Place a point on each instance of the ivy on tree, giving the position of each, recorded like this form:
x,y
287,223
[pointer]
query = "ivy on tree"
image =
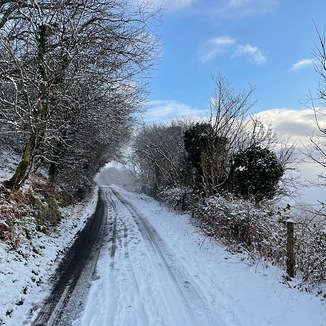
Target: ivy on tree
x,y
196,140
255,173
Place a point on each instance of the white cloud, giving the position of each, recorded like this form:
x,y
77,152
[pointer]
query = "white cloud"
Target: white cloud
x,y
162,111
299,125
253,52
172,5
244,8
301,64
216,45
222,41
239,3
227,44
229,9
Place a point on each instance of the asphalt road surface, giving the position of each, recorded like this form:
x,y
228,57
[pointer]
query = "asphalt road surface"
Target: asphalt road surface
x,y
75,272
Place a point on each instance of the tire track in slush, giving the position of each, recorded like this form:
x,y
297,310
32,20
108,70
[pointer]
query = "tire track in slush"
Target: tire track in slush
x,y
192,300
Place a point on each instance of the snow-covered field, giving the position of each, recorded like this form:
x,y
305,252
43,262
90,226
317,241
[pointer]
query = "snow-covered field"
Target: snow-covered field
x,y
136,285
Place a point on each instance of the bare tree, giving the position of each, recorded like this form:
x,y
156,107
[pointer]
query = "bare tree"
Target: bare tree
x,y
158,153
92,139
231,130
310,225
317,151
52,50
234,129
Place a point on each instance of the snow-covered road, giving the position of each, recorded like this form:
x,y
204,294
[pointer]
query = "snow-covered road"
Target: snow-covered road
x,y
151,267
153,287
156,269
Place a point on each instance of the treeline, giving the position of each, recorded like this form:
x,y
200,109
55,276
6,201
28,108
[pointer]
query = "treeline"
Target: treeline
x,y
72,75
228,152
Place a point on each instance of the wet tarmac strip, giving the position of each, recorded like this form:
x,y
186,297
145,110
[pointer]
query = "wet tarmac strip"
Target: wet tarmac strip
x,y
74,274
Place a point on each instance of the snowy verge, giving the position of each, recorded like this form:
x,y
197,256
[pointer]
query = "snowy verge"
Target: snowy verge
x,y
25,275
261,231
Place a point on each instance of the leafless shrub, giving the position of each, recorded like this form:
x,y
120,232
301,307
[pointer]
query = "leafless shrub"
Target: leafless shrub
x,y
310,245
260,232
239,224
9,215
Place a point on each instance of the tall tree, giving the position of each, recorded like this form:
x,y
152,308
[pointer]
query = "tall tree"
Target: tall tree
x,y
158,152
232,129
53,50
317,151
229,122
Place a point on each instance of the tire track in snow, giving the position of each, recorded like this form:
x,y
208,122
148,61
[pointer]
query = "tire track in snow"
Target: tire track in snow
x,y
113,224
193,304
118,237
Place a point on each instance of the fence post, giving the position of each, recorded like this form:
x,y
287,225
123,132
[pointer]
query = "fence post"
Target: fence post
x,y
192,205
290,259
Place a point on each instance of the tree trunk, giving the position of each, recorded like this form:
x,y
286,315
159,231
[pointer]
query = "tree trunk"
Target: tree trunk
x,y
53,168
24,167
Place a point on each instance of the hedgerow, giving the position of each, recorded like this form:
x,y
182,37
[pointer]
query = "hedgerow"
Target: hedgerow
x,y
259,231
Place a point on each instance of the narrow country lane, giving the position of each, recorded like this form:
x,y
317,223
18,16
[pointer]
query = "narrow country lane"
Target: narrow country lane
x,y
181,297
141,281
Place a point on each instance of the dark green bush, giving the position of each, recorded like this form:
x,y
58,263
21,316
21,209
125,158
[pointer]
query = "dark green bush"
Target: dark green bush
x,y
255,173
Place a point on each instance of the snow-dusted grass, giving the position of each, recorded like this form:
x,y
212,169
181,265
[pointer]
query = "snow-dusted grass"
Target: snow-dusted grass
x,y
28,258
8,160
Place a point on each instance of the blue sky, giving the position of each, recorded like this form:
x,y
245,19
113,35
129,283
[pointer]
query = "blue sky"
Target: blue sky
x,y
265,43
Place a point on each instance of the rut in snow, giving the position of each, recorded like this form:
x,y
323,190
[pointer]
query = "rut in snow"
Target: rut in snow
x,y
189,295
